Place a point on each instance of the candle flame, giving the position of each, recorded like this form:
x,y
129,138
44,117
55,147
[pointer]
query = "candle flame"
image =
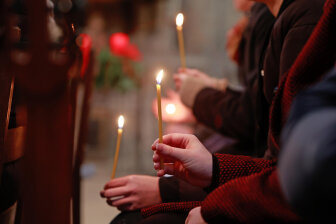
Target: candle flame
x,y
179,19
159,76
170,108
121,121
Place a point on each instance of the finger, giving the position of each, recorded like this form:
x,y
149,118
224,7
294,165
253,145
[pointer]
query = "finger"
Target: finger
x,y
154,144
169,168
115,192
117,182
177,140
157,159
160,173
157,166
102,194
173,153
183,70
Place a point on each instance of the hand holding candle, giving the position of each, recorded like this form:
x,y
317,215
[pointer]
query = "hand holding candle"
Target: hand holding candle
x,y
121,121
179,27
158,91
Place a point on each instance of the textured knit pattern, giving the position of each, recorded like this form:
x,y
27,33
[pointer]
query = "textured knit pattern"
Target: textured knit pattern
x,y
247,201
316,58
231,166
170,207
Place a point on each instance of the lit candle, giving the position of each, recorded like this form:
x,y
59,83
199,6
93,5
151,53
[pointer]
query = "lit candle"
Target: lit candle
x,y
121,121
158,91
179,27
170,109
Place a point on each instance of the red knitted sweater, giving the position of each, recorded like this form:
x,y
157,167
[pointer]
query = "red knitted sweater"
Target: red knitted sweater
x,y
249,191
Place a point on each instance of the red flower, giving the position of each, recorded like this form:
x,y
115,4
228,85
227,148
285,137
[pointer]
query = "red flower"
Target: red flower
x,y
120,45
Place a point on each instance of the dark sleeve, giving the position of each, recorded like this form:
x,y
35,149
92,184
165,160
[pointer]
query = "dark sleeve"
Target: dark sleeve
x,y
250,199
173,189
292,46
229,112
227,167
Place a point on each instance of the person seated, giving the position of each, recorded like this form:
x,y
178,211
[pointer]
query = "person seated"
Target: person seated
x,y
168,189
307,160
245,189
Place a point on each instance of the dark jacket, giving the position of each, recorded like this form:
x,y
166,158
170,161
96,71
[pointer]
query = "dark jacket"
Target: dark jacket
x,y
232,113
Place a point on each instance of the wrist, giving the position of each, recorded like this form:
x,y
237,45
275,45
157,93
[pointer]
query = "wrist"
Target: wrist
x,y
214,177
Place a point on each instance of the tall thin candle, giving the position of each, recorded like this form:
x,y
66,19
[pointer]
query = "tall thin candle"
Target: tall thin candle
x,y
179,28
158,91
121,121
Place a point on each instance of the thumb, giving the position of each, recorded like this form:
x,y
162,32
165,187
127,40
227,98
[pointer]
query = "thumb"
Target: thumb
x,y
172,152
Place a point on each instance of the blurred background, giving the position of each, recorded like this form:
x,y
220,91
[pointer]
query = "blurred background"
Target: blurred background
x,y
127,86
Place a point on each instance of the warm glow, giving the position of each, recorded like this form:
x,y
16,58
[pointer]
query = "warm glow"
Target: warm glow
x,y
159,76
170,108
121,121
179,19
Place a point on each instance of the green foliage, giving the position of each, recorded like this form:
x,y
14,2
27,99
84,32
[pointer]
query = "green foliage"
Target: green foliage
x,y
112,75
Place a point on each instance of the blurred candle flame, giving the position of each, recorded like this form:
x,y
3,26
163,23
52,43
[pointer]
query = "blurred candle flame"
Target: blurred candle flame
x,y
121,121
159,76
170,108
179,20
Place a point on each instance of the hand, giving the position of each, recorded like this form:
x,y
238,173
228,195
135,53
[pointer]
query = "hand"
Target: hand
x,y
185,157
132,192
182,74
195,217
182,114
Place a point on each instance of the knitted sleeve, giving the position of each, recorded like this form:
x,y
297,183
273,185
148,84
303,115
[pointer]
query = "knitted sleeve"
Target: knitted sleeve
x,y
229,113
233,166
252,199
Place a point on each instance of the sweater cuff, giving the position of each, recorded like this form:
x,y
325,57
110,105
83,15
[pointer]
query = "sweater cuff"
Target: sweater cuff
x,y
169,189
215,175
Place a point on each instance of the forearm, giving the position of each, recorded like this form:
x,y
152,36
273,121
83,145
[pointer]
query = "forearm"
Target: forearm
x,y
230,112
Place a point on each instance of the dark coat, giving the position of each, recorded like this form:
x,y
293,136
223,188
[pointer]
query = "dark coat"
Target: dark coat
x,y
232,112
